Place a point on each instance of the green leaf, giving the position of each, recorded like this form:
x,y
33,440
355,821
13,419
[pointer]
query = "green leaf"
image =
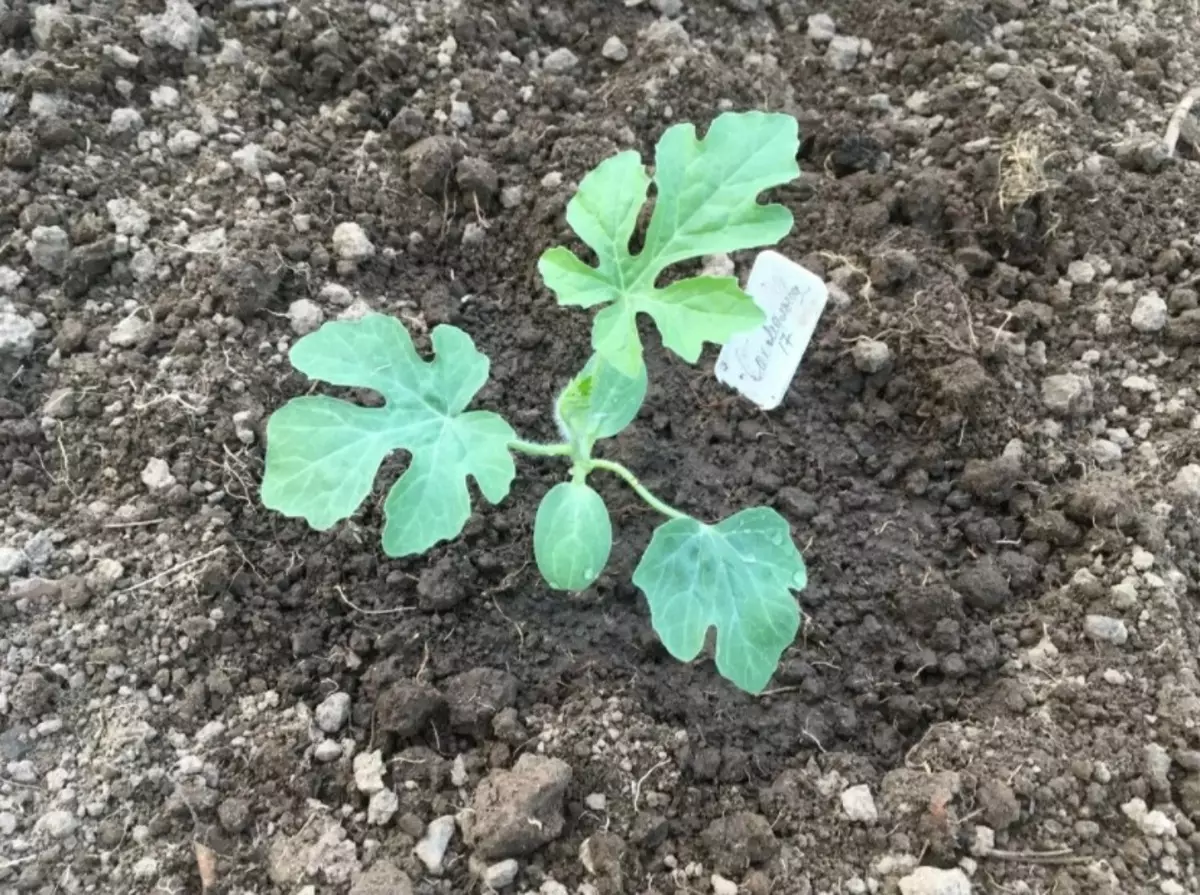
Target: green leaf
x,y
572,536
737,576
323,453
706,201
600,401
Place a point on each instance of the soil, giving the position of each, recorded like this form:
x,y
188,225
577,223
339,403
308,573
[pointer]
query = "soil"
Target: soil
x,y
997,679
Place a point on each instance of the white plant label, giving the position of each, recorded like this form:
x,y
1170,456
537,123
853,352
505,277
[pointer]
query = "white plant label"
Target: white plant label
x,y
761,363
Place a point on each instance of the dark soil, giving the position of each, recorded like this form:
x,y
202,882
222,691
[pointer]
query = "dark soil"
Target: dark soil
x,y
959,521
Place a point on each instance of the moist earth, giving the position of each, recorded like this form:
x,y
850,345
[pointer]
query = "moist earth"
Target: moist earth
x,y
990,456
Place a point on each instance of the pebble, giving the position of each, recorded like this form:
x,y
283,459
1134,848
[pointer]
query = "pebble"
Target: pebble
x,y
668,8
935,881
722,886
821,28
164,97
145,869
1106,628
431,850
22,771
1081,273
125,121
859,804
57,824
382,807
998,71
461,115
501,874
49,248
1149,314
157,475
128,218
129,332
333,712
305,316
843,53
1186,484
1067,393
870,355
560,61
327,751
596,801
177,27
1143,560
184,142
368,771
16,335
350,242
614,50
12,561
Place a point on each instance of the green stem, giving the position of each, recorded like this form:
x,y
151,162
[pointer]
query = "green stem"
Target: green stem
x,y
534,449
642,492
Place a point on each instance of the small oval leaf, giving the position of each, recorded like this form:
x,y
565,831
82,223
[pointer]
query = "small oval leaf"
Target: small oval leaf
x,y
572,536
601,400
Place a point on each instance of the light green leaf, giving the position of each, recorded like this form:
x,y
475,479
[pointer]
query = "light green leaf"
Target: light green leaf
x,y
572,536
323,453
737,576
706,202
600,401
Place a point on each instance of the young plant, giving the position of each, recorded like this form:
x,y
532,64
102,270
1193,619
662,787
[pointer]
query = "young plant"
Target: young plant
x,y
737,576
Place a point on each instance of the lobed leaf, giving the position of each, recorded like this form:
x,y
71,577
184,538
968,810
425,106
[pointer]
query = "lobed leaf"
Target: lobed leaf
x,y
737,576
705,203
323,453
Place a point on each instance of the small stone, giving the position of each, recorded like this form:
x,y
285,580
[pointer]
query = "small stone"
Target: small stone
x,y
461,115
722,886
184,142
1105,628
145,869
1081,273
49,248
871,356
1186,484
125,121
157,475
1067,394
129,332
517,811
596,801
57,824
843,52
327,751
16,335
614,50
382,806
935,881
998,71
178,27
104,576
859,804
431,850
22,772
350,242
368,771
560,61
383,877
1143,560
32,588
333,712
501,874
1149,314
668,8
12,561
234,815
164,96
821,28
305,316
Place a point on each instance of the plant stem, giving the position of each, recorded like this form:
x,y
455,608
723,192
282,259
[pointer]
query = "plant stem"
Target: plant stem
x,y
540,450
642,492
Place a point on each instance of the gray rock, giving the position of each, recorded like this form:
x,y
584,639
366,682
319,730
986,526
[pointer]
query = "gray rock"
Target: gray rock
x,y
382,807
129,218
350,242
1105,628
129,332
560,61
1149,314
125,121
518,811
184,142
49,249
1067,394
51,23
668,8
12,561
821,28
178,27
57,824
33,588
859,804
431,850
1158,767
870,355
368,771
305,316
998,71
843,53
461,115
935,881
1186,484
104,576
333,712
1081,273
501,874
157,475
614,50
16,335
327,751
